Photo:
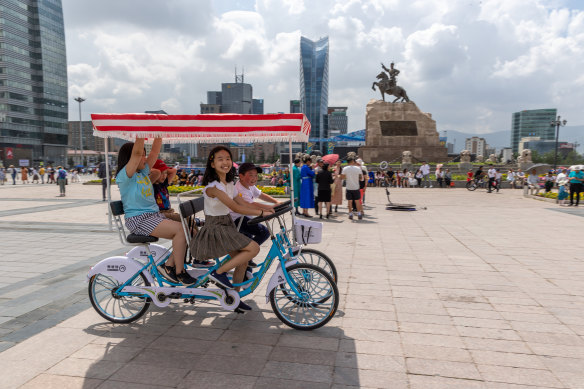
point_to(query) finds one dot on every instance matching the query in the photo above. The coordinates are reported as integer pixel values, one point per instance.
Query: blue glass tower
(314, 57)
(33, 82)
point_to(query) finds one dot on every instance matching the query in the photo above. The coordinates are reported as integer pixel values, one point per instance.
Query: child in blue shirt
(141, 211)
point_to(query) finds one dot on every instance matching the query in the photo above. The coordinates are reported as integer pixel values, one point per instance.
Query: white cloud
(471, 64)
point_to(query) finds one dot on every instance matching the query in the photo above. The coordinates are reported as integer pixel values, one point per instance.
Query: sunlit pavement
(477, 290)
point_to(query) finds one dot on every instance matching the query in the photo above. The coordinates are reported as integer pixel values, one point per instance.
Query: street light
(557, 123)
(80, 100)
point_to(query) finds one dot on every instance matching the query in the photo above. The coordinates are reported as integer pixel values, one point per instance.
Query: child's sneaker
(351, 215)
(221, 279)
(168, 272)
(185, 278)
(360, 216)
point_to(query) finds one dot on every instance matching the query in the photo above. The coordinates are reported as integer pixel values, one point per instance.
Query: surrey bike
(121, 289)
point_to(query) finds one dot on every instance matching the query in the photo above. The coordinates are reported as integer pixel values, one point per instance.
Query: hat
(160, 165)
(247, 166)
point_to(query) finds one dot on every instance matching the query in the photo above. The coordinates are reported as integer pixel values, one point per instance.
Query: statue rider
(392, 72)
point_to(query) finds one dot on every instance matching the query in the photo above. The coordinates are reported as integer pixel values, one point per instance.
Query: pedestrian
(533, 182)
(498, 176)
(519, 178)
(491, 173)
(13, 174)
(363, 181)
(50, 175)
(549, 182)
(576, 178)
(42, 174)
(447, 178)
(297, 183)
(562, 181)
(353, 174)
(419, 176)
(35, 176)
(511, 178)
(2, 176)
(61, 180)
(440, 177)
(404, 178)
(24, 175)
(390, 177)
(101, 173)
(337, 197)
(324, 179)
(306, 186)
(317, 169)
(469, 175)
(425, 170)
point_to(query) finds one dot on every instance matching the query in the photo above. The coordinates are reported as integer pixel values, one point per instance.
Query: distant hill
(502, 139)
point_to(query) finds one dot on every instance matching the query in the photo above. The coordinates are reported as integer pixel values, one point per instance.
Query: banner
(9, 153)
(330, 147)
(309, 147)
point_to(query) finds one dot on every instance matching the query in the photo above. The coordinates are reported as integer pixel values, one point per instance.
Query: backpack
(62, 173)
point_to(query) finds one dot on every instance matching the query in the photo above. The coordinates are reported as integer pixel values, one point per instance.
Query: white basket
(307, 231)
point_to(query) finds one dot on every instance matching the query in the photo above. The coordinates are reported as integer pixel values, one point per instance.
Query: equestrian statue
(388, 84)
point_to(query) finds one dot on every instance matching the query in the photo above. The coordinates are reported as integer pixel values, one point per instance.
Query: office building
(33, 83)
(546, 146)
(257, 106)
(337, 121)
(476, 146)
(534, 122)
(314, 57)
(295, 106)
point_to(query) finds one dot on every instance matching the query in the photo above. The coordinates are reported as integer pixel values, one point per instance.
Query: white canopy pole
(291, 163)
(108, 182)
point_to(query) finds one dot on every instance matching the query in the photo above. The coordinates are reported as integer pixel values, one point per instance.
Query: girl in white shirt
(219, 237)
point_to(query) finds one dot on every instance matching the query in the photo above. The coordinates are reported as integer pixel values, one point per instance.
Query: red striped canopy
(211, 128)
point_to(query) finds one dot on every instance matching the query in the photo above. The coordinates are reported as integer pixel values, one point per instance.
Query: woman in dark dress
(324, 179)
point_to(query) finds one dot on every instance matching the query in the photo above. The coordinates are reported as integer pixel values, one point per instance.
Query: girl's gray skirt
(217, 238)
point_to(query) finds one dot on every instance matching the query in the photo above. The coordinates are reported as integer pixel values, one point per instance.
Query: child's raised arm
(137, 153)
(153, 155)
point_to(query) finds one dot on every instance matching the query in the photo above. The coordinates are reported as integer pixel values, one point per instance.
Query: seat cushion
(133, 238)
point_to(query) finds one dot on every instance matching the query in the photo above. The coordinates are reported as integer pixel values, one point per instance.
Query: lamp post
(557, 123)
(80, 100)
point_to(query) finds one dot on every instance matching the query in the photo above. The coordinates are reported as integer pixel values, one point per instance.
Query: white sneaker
(351, 215)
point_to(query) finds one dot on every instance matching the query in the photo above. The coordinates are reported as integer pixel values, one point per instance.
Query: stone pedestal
(465, 166)
(392, 128)
(408, 166)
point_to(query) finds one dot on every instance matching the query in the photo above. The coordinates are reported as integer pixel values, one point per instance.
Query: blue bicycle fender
(120, 268)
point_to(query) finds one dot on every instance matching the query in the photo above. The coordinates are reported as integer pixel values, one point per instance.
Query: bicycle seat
(133, 238)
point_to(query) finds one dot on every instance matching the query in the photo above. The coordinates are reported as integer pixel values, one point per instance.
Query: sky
(469, 63)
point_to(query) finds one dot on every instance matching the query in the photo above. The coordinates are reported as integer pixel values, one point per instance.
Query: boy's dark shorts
(353, 194)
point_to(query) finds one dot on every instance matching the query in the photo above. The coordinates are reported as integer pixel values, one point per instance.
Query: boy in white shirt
(352, 174)
(245, 193)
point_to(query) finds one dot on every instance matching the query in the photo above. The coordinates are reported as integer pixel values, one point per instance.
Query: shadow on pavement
(204, 346)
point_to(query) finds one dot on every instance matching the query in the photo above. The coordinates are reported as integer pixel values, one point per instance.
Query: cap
(160, 165)
(247, 166)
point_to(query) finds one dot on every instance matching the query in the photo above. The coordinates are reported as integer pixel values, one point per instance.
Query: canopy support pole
(291, 170)
(108, 182)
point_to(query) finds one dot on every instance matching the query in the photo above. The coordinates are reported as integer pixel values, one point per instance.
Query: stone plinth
(395, 127)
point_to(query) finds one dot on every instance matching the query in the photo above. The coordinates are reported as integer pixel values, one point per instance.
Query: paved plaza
(476, 291)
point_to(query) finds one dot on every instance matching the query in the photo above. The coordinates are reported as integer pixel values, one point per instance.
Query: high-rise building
(295, 106)
(476, 146)
(236, 98)
(33, 82)
(337, 121)
(314, 56)
(534, 122)
(257, 106)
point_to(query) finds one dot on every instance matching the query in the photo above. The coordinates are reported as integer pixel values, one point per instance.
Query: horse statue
(386, 86)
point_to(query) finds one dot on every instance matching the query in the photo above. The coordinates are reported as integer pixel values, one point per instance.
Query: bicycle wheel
(319, 259)
(117, 309)
(306, 312)
(471, 185)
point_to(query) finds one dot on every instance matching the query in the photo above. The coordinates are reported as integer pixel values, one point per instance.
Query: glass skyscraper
(533, 122)
(33, 82)
(314, 57)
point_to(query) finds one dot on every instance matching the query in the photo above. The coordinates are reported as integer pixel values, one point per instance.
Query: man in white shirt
(425, 169)
(562, 176)
(352, 174)
(492, 173)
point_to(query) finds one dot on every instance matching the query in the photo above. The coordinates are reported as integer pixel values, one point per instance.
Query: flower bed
(269, 190)
(554, 195)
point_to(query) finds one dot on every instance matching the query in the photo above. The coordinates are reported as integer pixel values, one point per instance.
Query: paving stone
(370, 378)
(50, 381)
(270, 383)
(521, 376)
(316, 343)
(442, 368)
(372, 362)
(300, 355)
(85, 368)
(288, 370)
(431, 382)
(149, 374)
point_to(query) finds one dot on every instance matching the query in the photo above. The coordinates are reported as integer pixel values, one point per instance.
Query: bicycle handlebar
(280, 206)
(259, 219)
